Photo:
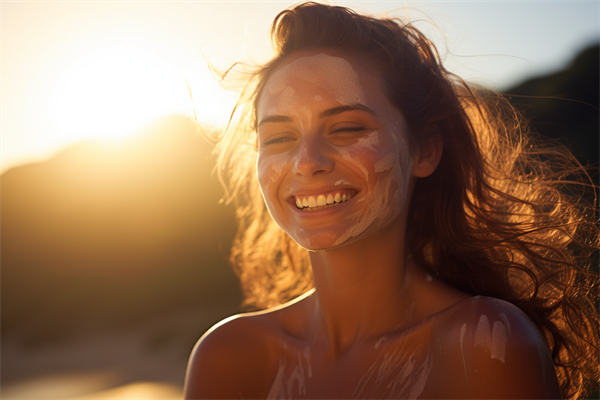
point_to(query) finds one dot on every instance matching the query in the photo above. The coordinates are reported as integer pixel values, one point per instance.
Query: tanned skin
(376, 323)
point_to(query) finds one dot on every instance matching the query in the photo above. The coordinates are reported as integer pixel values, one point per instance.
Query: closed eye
(348, 130)
(277, 140)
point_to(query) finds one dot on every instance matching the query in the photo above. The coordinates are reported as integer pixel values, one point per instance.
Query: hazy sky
(78, 69)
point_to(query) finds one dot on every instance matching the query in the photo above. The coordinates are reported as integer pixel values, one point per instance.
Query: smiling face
(333, 156)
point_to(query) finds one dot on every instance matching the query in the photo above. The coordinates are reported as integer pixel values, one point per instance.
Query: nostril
(310, 162)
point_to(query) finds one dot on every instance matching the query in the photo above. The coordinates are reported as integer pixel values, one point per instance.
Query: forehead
(341, 76)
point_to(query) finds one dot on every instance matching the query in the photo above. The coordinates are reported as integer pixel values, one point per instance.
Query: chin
(322, 241)
(314, 242)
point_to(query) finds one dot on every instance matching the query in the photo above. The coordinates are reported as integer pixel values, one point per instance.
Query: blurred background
(114, 244)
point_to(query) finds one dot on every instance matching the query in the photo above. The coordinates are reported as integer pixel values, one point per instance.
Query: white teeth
(322, 201)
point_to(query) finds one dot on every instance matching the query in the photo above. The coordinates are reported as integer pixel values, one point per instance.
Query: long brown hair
(505, 214)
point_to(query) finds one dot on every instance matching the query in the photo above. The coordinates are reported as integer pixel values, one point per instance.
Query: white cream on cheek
(391, 165)
(348, 155)
(270, 169)
(352, 153)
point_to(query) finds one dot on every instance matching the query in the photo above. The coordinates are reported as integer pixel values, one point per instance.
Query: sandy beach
(146, 362)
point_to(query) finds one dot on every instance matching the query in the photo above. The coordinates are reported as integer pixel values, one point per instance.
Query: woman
(426, 243)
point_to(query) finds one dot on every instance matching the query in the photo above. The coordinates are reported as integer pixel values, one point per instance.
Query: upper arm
(228, 362)
(498, 352)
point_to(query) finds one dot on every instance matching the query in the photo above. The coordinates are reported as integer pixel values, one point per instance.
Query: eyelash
(351, 130)
(283, 139)
(277, 140)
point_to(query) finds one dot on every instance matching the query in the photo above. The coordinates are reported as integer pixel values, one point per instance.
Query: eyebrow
(275, 118)
(338, 110)
(324, 114)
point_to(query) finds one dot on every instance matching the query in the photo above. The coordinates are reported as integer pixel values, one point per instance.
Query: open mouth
(325, 200)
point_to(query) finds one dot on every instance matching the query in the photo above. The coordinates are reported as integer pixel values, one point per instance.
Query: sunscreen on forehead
(334, 74)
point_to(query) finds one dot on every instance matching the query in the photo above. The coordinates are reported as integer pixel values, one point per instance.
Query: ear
(428, 156)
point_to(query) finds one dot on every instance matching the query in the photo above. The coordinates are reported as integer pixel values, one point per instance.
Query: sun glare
(112, 91)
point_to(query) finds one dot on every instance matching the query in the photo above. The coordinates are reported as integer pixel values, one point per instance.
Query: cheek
(388, 192)
(393, 176)
(387, 167)
(270, 170)
(361, 154)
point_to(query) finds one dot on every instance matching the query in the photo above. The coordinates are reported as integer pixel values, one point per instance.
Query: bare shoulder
(489, 348)
(236, 358)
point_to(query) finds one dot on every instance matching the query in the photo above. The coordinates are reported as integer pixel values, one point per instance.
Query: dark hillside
(567, 104)
(109, 234)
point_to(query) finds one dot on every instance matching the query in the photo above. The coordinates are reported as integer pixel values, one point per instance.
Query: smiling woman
(425, 244)
(364, 152)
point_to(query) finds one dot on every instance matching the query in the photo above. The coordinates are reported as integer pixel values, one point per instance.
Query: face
(333, 158)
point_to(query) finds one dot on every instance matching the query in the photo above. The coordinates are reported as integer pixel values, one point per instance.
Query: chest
(388, 368)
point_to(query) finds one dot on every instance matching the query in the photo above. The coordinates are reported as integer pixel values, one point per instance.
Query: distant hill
(113, 233)
(571, 111)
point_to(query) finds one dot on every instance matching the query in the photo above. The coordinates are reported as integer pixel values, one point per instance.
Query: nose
(312, 157)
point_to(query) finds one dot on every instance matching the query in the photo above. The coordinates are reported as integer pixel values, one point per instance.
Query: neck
(362, 289)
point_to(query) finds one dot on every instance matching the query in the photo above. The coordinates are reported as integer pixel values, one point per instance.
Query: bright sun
(112, 91)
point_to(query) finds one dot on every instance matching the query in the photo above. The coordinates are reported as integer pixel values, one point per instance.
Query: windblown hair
(505, 214)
